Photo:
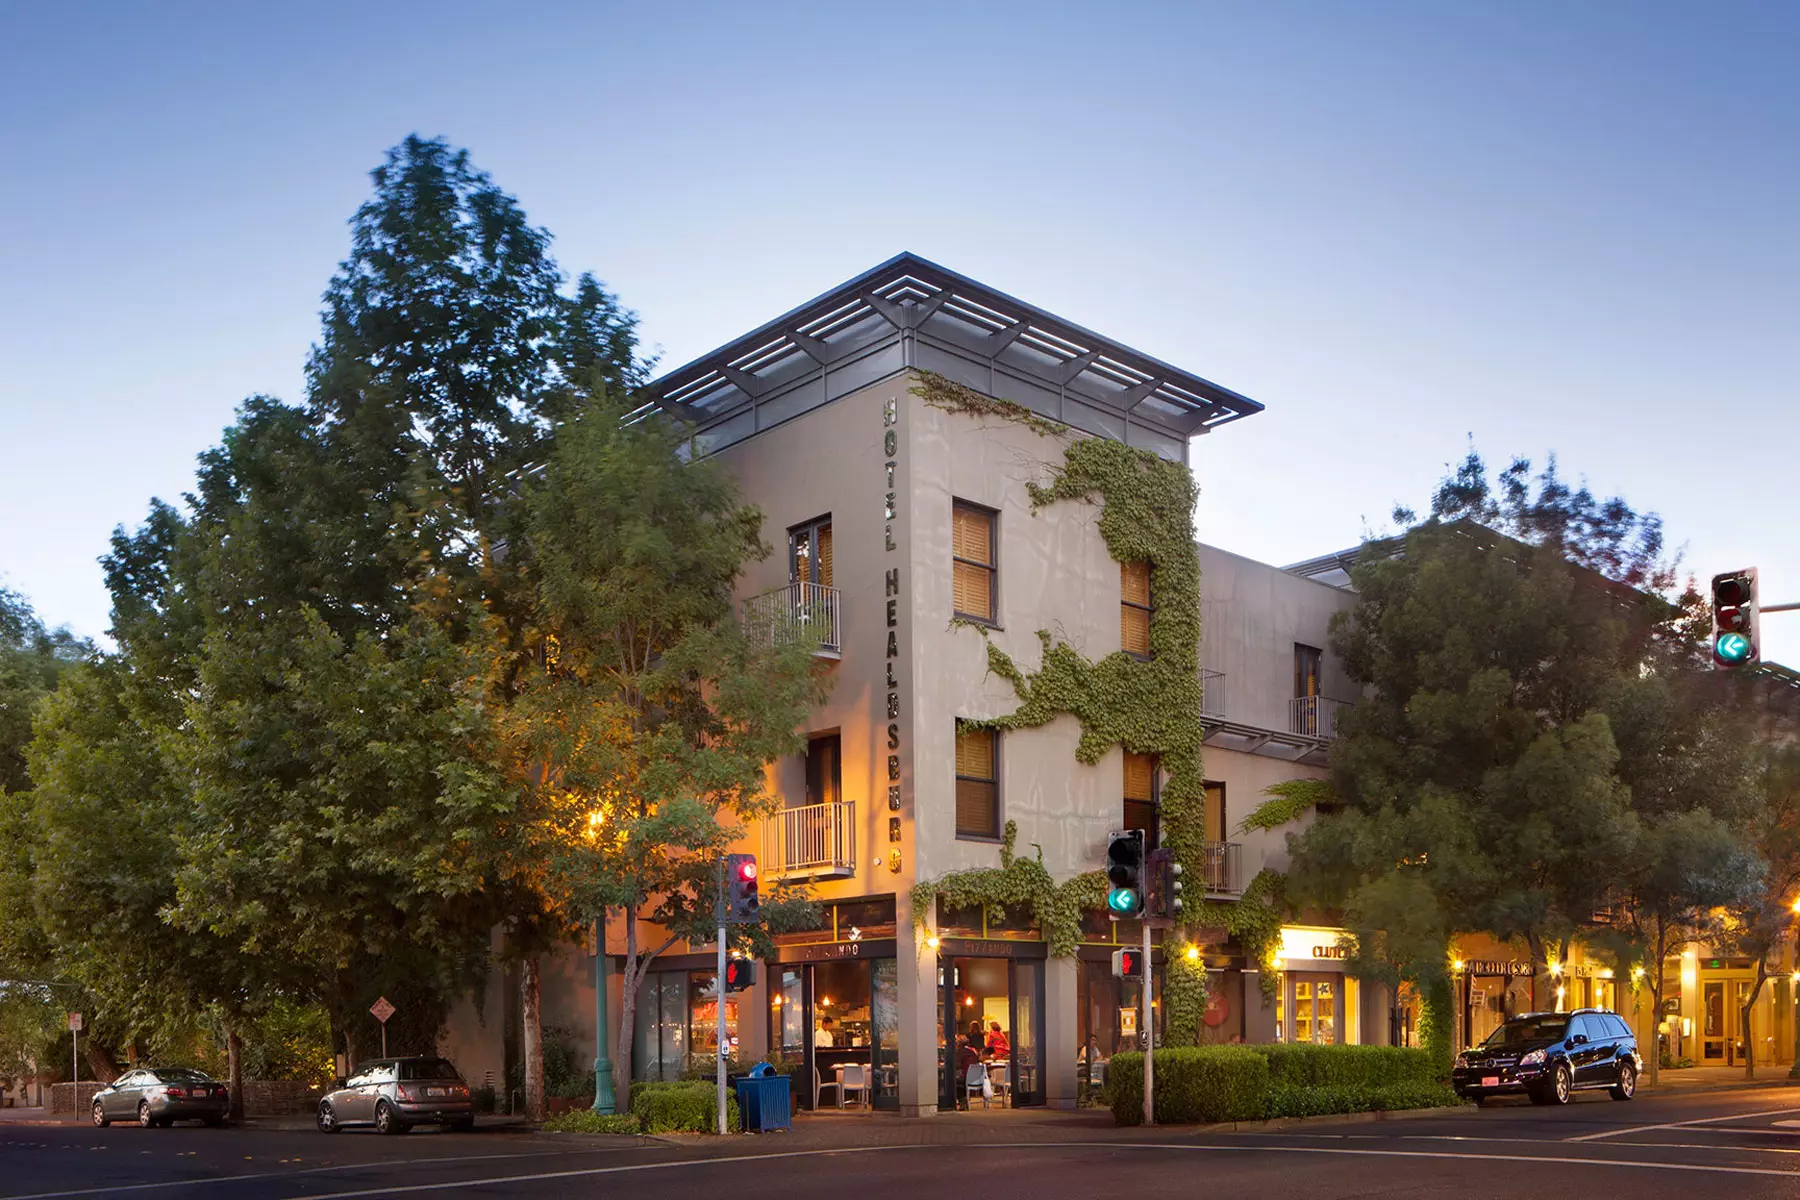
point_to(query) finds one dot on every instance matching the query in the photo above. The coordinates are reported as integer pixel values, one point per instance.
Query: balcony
(783, 612)
(1219, 869)
(1315, 716)
(1212, 694)
(815, 841)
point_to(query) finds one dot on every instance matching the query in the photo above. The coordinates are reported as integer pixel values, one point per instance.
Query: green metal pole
(604, 1100)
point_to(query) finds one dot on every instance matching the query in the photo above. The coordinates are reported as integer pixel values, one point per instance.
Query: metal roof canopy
(909, 312)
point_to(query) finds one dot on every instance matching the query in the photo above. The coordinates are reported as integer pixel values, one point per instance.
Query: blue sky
(1555, 227)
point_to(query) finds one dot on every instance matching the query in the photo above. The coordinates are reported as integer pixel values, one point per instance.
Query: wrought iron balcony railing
(776, 614)
(1315, 716)
(814, 841)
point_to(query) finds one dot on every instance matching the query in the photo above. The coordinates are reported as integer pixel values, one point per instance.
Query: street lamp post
(604, 1100)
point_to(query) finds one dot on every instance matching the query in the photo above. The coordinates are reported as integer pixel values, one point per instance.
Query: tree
(1506, 643)
(32, 659)
(644, 736)
(1761, 915)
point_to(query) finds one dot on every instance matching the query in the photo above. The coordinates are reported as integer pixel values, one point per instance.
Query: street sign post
(381, 1010)
(75, 1050)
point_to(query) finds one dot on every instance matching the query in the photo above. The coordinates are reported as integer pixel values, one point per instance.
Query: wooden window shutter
(1140, 777)
(1134, 607)
(972, 546)
(825, 555)
(977, 788)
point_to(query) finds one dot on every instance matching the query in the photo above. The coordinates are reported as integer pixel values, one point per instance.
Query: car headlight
(1532, 1059)
(1462, 1061)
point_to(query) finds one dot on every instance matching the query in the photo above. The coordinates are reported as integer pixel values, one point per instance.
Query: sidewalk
(1715, 1079)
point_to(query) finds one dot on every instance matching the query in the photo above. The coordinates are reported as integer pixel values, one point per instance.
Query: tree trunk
(234, 1071)
(628, 994)
(1539, 973)
(532, 1043)
(1762, 974)
(103, 1066)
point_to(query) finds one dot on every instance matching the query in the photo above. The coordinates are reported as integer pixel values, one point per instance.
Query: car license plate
(1490, 1081)
(430, 1091)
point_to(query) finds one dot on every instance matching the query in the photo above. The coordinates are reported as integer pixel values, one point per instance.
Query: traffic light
(1162, 886)
(742, 906)
(1734, 619)
(1128, 964)
(1125, 872)
(740, 973)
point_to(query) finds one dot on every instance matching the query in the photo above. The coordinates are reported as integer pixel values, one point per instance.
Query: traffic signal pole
(1149, 1036)
(719, 1000)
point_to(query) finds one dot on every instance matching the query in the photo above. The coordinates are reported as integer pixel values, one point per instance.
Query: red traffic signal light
(1128, 964)
(742, 905)
(740, 973)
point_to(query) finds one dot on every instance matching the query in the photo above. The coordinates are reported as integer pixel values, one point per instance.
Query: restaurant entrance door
(836, 1025)
(978, 995)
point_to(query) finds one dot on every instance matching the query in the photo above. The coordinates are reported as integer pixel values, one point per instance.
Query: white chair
(819, 1085)
(1000, 1071)
(853, 1080)
(973, 1078)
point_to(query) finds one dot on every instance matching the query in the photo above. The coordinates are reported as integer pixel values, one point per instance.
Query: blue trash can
(763, 1100)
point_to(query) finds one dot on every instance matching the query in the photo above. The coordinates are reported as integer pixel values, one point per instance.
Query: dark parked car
(394, 1094)
(1551, 1056)
(162, 1096)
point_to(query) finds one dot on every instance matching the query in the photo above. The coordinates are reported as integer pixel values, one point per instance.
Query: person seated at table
(966, 1056)
(975, 1035)
(996, 1042)
(822, 1037)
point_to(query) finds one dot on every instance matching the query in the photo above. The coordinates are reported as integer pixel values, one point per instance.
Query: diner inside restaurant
(990, 1044)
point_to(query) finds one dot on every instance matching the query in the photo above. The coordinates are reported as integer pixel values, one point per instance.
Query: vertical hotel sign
(890, 448)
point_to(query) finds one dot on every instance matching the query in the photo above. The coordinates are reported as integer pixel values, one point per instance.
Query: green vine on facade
(1148, 706)
(1254, 919)
(1292, 800)
(1017, 881)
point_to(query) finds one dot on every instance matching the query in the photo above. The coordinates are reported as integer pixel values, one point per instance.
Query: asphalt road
(1743, 1143)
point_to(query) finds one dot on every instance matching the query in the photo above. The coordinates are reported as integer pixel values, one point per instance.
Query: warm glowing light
(1456, 964)
(1193, 952)
(1637, 972)
(1794, 978)
(1689, 953)
(1796, 904)
(826, 1003)
(775, 1001)
(1555, 969)
(932, 943)
(968, 1002)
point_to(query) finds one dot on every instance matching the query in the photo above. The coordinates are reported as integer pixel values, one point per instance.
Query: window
(977, 782)
(809, 552)
(1308, 660)
(1141, 798)
(1134, 608)
(972, 549)
(1215, 811)
(824, 770)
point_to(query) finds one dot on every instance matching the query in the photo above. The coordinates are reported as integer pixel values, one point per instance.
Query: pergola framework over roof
(911, 313)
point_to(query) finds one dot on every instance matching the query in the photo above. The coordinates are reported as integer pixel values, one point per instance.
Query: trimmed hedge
(586, 1120)
(1193, 1083)
(1253, 1083)
(681, 1108)
(1346, 1066)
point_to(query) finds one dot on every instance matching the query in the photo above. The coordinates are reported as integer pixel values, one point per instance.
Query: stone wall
(262, 1097)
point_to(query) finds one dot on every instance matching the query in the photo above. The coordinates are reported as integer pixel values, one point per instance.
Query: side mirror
(1579, 1039)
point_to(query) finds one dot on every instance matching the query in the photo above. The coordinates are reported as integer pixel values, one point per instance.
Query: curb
(624, 1141)
(1354, 1118)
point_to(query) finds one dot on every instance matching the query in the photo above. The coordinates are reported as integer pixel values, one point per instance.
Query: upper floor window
(1308, 662)
(809, 552)
(824, 769)
(1141, 798)
(1135, 608)
(977, 782)
(1215, 811)
(975, 565)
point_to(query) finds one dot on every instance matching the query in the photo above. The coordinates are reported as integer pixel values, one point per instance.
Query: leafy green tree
(1518, 660)
(644, 737)
(32, 659)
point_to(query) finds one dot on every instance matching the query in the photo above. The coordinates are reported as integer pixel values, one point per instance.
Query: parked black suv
(1550, 1056)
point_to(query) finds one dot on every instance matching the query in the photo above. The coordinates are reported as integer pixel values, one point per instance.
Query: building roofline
(909, 312)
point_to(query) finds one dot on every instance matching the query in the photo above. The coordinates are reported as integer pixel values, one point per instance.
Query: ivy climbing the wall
(1148, 706)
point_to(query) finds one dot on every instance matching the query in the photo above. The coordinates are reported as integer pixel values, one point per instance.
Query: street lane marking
(726, 1160)
(1594, 1137)
(376, 1163)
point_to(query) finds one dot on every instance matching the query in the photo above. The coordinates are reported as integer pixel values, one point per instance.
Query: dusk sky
(1568, 228)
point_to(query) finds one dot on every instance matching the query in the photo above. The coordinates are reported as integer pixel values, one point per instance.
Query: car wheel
(145, 1120)
(101, 1120)
(327, 1119)
(387, 1120)
(1560, 1084)
(1626, 1088)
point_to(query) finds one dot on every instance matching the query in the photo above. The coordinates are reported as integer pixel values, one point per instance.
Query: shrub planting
(1252, 1083)
(680, 1108)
